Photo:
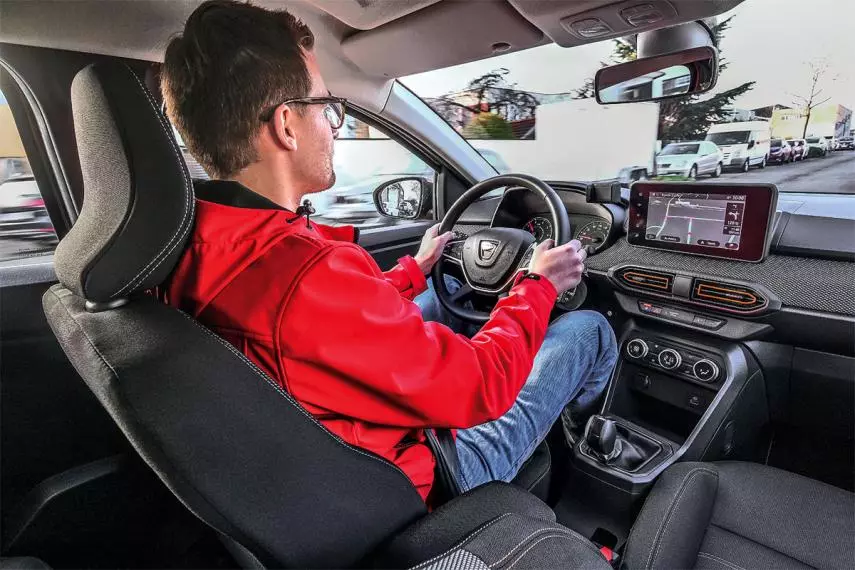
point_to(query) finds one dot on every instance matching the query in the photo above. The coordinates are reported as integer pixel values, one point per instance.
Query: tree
(490, 94)
(488, 126)
(808, 103)
(686, 117)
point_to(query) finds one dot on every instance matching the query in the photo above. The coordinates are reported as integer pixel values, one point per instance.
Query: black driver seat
(238, 451)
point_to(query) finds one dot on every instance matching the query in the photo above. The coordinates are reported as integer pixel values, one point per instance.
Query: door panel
(387, 245)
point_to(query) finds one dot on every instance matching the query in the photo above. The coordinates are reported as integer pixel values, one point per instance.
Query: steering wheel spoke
(453, 251)
(527, 257)
(461, 294)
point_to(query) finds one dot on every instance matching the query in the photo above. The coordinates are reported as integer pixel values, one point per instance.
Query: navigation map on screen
(710, 220)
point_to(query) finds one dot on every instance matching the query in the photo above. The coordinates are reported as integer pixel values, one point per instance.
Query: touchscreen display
(719, 220)
(708, 220)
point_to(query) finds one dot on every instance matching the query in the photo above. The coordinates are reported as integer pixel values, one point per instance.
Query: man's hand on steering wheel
(562, 265)
(431, 248)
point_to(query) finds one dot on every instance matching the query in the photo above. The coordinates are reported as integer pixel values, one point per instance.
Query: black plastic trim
(49, 489)
(27, 271)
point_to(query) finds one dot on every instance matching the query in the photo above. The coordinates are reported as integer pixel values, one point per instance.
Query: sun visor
(441, 35)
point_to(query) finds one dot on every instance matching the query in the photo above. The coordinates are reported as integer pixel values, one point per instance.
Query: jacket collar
(236, 195)
(231, 193)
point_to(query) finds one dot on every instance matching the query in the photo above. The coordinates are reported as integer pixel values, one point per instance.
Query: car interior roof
(360, 44)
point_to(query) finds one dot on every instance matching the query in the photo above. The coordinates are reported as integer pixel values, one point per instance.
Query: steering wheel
(491, 258)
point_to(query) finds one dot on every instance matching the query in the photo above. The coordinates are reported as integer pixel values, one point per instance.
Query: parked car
(780, 152)
(799, 148)
(743, 144)
(847, 143)
(817, 146)
(690, 159)
(22, 211)
(833, 142)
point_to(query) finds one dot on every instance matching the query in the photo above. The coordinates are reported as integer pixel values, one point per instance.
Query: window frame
(40, 149)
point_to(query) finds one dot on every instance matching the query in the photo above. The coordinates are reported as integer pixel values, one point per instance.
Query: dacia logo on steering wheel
(487, 248)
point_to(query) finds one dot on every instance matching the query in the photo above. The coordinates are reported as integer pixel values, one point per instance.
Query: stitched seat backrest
(234, 448)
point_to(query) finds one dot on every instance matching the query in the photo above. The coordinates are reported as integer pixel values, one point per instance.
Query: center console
(672, 398)
(685, 388)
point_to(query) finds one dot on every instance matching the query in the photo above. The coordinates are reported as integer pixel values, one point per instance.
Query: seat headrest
(138, 198)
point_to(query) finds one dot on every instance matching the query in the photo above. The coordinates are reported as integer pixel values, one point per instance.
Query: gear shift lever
(602, 438)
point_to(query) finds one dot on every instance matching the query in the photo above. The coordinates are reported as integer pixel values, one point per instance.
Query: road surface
(833, 174)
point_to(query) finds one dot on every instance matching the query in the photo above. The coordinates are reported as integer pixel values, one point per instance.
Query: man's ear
(283, 123)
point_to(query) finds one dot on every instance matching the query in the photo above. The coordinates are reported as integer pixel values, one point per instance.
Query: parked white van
(743, 145)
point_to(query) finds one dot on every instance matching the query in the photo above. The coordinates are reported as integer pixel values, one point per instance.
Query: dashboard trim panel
(822, 285)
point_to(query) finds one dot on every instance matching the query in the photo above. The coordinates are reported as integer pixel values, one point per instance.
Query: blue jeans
(572, 368)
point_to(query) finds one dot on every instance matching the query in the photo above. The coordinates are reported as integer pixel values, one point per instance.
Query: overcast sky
(769, 41)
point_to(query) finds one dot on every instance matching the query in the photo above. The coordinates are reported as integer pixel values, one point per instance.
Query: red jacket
(314, 310)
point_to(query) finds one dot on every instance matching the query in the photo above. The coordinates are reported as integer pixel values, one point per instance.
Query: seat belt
(441, 442)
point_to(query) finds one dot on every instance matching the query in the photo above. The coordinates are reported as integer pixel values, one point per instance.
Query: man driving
(365, 352)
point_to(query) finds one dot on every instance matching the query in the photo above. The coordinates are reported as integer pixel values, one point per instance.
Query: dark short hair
(232, 61)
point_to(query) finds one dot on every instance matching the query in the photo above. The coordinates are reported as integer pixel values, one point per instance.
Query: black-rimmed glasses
(334, 108)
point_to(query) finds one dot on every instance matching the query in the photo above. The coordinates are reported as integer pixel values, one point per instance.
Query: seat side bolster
(671, 526)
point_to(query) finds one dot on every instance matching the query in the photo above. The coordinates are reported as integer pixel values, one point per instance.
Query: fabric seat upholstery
(733, 516)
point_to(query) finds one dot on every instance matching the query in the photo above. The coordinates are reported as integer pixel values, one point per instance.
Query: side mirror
(685, 72)
(403, 198)
(750, 144)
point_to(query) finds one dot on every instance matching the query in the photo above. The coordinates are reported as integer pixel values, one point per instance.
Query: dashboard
(588, 230)
(594, 225)
(805, 283)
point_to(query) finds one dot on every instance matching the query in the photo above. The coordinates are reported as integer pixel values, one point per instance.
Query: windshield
(533, 111)
(680, 149)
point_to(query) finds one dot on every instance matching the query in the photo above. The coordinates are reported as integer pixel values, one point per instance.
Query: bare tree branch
(818, 69)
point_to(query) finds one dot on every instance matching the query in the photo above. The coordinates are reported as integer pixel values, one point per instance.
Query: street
(834, 174)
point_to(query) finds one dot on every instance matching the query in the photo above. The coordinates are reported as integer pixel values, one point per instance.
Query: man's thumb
(545, 245)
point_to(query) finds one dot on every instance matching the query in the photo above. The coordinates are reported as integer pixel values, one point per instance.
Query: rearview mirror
(403, 198)
(685, 72)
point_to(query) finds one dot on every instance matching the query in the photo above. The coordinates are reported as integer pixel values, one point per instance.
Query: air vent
(646, 280)
(732, 297)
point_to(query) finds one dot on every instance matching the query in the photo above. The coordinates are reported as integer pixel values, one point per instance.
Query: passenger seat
(733, 516)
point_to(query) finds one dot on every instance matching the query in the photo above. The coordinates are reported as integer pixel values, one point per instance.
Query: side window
(193, 166)
(25, 228)
(365, 157)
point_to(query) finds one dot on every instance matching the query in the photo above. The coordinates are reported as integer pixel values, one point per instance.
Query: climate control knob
(669, 359)
(636, 348)
(705, 370)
